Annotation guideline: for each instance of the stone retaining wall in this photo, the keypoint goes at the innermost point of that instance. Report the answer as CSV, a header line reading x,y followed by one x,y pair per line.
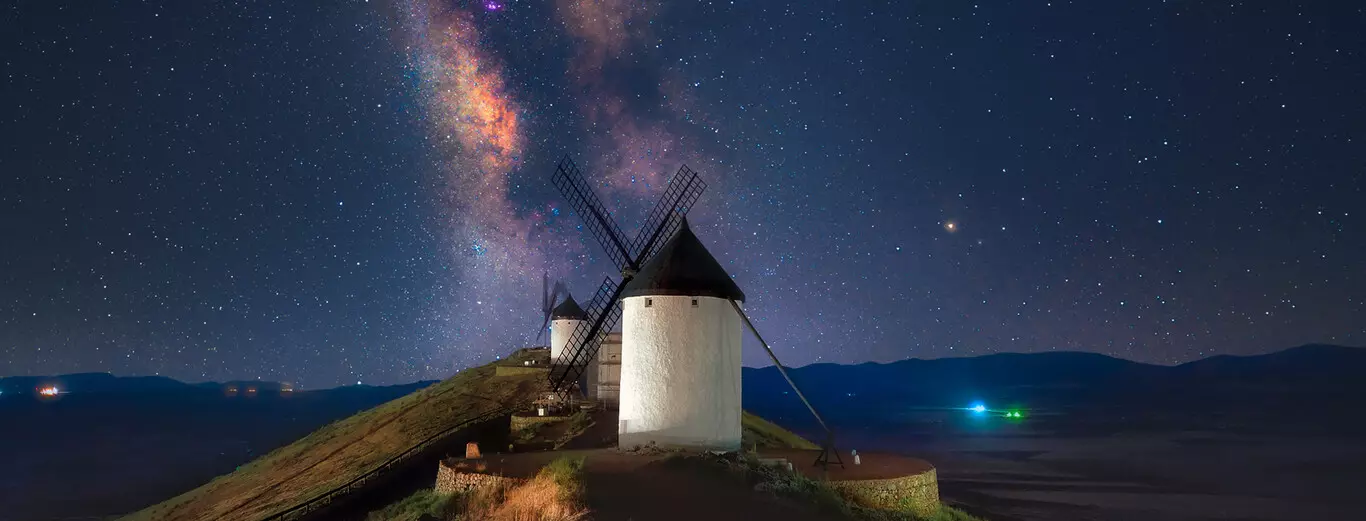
x,y
450,480
522,422
918,494
518,370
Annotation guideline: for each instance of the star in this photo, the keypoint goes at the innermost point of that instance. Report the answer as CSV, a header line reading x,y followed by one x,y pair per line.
x,y
249,217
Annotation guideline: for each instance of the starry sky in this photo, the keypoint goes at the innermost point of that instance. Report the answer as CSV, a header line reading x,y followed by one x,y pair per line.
x,y
358,191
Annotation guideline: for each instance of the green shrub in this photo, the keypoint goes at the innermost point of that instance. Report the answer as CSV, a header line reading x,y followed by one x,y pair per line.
x,y
578,423
580,420
567,472
948,513
528,433
785,483
412,508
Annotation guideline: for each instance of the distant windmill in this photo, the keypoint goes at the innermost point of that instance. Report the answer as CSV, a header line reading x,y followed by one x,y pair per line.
x,y
680,354
548,298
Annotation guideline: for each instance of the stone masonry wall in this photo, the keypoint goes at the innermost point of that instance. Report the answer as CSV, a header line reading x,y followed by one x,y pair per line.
x,y
450,480
918,494
522,422
518,370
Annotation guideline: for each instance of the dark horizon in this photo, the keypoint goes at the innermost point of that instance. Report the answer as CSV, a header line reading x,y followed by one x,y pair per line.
x,y
195,383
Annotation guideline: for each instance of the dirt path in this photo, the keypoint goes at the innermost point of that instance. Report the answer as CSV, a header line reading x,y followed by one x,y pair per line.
x,y
629,487
656,492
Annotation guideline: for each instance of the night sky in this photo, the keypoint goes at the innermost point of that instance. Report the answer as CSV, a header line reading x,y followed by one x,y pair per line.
x,y
334,192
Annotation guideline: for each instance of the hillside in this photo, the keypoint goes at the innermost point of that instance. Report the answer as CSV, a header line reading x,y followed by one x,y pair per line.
x,y
135,446
339,452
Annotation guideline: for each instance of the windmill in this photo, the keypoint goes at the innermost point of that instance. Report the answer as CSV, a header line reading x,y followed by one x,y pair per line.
x,y
548,298
627,255
677,269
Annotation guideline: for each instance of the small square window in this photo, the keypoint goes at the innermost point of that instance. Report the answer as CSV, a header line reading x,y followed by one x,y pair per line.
x,y
694,302
649,303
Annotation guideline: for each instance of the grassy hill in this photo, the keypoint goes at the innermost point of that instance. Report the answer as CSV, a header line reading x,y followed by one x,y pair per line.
x,y
341,451
758,432
344,450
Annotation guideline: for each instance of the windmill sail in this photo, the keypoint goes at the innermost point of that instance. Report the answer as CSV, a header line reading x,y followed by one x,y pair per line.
x,y
548,299
626,254
663,222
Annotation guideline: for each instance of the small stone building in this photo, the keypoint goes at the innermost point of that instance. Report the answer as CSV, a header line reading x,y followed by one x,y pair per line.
x,y
604,375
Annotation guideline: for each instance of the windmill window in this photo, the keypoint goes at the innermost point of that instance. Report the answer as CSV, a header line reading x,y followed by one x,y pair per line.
x,y
649,303
694,302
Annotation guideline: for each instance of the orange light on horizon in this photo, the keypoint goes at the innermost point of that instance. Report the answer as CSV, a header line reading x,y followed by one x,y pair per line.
x,y
50,390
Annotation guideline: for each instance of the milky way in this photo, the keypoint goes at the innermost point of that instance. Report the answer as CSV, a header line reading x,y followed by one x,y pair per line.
x,y
474,122
499,252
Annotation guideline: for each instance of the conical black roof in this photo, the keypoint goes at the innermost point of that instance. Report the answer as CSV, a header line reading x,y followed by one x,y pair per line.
x,y
683,267
569,310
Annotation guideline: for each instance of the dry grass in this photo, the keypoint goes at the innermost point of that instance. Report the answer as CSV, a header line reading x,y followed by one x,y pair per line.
x,y
346,449
555,494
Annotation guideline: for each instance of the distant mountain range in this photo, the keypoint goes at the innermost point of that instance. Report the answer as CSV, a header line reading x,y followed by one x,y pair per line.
x,y
105,383
1313,364
1301,379
1308,368
91,382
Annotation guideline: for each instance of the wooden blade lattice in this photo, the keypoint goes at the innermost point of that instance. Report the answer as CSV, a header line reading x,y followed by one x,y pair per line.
x,y
603,312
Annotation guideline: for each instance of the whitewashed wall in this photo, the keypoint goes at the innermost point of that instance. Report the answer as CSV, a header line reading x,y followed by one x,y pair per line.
x,y
680,373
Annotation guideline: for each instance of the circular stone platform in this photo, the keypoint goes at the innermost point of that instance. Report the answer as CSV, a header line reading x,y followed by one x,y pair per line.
x,y
882,480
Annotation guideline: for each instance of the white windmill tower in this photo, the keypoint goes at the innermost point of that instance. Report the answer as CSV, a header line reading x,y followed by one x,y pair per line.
x,y
564,319
680,350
